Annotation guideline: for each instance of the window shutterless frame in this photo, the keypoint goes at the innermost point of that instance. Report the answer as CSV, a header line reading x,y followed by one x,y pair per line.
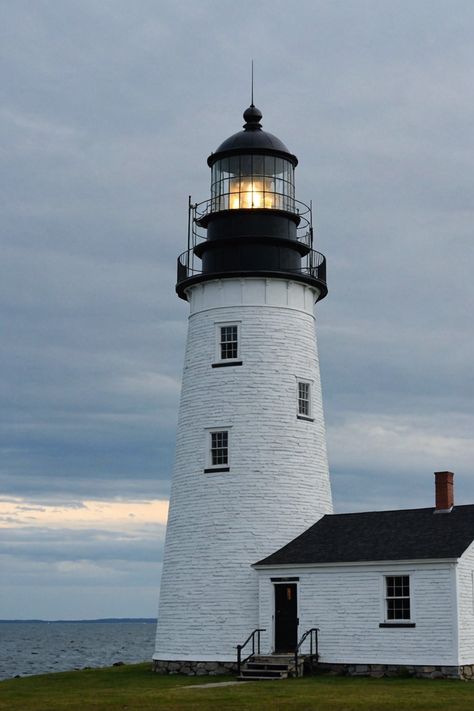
x,y
398,601
229,342
304,399
228,346
217,450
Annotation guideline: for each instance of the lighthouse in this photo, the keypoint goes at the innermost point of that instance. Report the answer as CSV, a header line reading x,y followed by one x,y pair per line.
x,y
251,468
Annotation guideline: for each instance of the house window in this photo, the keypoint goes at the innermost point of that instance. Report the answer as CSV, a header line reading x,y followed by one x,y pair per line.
x,y
397,598
304,399
228,342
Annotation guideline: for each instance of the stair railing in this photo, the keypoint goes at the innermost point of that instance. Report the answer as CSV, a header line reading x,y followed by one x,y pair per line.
x,y
255,638
313,647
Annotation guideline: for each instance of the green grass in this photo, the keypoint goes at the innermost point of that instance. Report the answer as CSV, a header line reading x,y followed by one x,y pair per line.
x,y
136,687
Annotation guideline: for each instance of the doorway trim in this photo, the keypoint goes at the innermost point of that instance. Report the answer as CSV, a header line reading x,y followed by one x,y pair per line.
x,y
284,581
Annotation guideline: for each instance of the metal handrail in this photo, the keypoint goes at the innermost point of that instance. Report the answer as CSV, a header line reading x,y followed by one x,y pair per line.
x,y
205,207
201,210
240,647
313,264
313,635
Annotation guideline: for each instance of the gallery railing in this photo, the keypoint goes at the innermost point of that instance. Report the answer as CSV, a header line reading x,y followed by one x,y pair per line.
x,y
313,264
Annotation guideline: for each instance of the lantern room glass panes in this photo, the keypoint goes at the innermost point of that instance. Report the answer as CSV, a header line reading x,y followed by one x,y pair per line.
x,y
252,181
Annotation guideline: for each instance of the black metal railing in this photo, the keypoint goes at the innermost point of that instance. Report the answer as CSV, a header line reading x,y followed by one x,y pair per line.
x,y
200,211
313,264
254,637
313,648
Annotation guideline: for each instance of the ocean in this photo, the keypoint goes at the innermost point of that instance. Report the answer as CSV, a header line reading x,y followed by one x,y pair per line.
x,y
41,647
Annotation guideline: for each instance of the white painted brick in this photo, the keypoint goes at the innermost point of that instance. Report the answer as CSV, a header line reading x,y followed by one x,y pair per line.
x,y
278,483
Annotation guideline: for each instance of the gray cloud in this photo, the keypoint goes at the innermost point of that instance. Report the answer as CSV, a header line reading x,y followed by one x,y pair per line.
x,y
45,545
108,113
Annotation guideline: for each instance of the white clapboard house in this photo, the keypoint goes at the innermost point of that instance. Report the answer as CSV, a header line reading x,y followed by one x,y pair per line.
x,y
388,590
253,552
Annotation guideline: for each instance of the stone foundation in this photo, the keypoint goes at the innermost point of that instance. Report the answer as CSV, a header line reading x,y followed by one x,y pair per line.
x,y
374,670
194,668
467,672
387,670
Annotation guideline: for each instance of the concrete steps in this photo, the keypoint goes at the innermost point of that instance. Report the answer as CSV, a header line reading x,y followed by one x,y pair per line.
x,y
274,666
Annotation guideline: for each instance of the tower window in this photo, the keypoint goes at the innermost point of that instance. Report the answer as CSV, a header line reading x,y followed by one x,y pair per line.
x,y
219,448
229,342
227,345
304,399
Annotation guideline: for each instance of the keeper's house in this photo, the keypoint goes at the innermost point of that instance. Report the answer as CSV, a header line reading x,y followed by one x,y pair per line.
x,y
386,589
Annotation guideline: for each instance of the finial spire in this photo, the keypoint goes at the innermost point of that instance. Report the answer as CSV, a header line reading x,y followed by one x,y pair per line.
x,y
252,115
251,96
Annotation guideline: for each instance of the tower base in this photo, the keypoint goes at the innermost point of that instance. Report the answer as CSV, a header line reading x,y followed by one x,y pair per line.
x,y
193,668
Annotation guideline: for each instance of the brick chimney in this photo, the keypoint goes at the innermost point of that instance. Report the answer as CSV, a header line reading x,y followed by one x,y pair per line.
x,y
444,492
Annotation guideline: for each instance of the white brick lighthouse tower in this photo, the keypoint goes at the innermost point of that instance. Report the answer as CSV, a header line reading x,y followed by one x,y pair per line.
x,y
251,467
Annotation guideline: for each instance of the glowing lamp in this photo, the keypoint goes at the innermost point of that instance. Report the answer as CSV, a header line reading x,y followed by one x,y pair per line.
x,y
251,193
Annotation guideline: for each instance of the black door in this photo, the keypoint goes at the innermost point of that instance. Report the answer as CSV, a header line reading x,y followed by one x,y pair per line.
x,y
286,621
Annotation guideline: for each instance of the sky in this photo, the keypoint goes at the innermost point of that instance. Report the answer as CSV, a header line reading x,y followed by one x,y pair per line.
x,y
108,112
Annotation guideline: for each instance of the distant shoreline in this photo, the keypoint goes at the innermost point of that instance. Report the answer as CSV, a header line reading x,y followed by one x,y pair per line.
x,y
98,620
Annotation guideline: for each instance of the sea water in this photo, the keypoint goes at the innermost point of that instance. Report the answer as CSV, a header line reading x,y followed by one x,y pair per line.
x,y
41,647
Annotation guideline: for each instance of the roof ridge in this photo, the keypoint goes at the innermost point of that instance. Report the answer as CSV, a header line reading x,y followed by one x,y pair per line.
x,y
384,511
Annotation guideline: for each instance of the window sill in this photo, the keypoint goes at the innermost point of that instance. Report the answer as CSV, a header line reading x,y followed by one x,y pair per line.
x,y
305,417
209,470
226,364
397,624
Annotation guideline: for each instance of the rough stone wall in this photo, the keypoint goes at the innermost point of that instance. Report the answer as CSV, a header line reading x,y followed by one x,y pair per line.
x,y
191,668
278,483
393,670
377,671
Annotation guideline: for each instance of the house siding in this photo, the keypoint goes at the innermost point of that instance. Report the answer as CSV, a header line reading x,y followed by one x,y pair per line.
x,y
346,603
465,573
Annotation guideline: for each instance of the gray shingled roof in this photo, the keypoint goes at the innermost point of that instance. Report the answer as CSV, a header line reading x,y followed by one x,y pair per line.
x,y
381,535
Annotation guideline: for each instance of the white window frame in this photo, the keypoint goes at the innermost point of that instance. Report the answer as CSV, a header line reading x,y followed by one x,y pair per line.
x,y
300,415
398,620
219,326
209,465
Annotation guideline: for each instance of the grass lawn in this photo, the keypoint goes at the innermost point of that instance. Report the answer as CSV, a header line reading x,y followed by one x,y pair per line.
x,y
136,687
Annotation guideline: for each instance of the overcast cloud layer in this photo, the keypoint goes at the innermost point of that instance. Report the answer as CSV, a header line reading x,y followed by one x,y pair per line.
x,y
109,110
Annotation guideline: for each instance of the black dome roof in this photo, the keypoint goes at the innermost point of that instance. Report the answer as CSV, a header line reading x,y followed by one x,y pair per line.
x,y
252,140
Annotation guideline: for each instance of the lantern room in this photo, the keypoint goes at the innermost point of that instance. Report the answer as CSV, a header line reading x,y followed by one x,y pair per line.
x,y
252,170
252,181
252,224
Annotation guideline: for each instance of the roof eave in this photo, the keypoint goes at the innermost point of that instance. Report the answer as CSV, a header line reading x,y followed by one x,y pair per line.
x,y
358,563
